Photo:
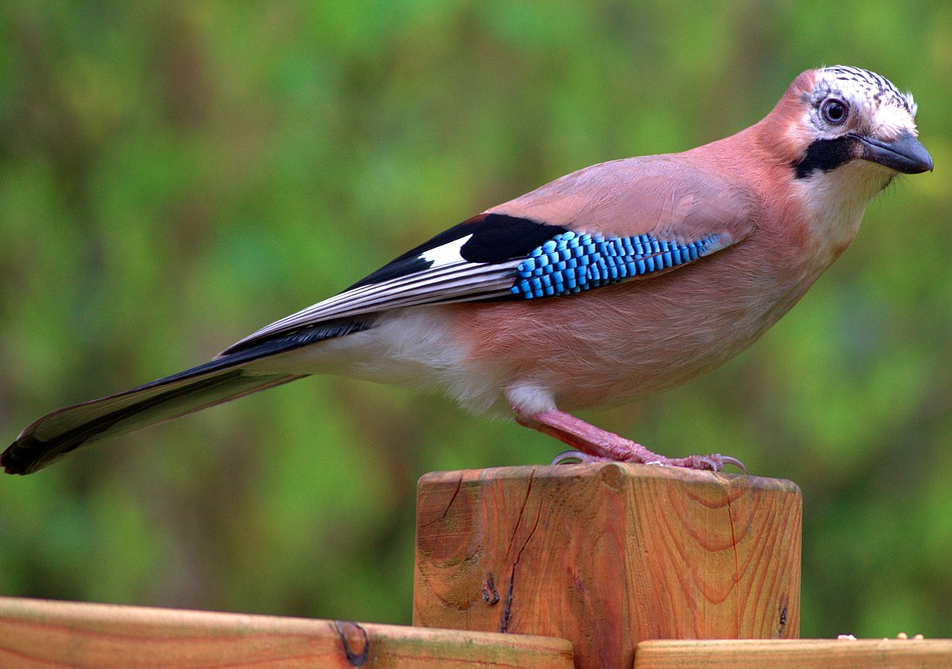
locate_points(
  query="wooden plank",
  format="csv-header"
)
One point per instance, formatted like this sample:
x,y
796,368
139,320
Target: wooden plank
x,y
38,633
794,654
608,555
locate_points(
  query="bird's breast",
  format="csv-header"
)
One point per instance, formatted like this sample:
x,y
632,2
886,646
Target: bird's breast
x,y
635,339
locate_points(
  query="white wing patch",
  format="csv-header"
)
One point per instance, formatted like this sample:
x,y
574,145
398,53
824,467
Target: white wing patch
x,y
445,254
449,279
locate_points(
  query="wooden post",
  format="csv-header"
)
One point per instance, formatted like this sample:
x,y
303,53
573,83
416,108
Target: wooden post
x,y
608,555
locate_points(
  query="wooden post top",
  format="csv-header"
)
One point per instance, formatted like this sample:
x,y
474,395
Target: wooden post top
x,y
607,471
607,555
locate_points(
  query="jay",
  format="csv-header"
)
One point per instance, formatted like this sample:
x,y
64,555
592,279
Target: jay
x,y
607,285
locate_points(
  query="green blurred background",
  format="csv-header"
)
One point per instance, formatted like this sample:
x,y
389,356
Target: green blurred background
x,y
175,175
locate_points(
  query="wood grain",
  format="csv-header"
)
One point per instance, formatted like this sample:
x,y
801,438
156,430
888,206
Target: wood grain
x,y
795,654
38,634
608,555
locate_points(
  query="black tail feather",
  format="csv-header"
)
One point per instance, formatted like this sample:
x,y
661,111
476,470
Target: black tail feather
x,y
57,433
223,379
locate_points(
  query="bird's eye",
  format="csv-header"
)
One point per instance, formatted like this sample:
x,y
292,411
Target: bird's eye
x,y
834,111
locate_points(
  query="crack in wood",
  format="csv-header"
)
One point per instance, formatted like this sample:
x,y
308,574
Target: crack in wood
x,y
522,509
449,505
490,594
784,604
737,603
506,617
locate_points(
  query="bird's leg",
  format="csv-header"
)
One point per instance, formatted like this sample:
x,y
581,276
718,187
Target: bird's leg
x,y
596,444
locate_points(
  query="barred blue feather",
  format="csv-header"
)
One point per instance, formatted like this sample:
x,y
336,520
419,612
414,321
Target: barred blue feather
x,y
571,262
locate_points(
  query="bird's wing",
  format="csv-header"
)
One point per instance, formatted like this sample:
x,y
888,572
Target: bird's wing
x,y
611,222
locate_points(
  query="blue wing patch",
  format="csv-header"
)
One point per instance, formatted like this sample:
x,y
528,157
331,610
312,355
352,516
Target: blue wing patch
x,y
571,262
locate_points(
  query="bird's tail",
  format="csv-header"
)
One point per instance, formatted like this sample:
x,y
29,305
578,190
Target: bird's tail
x,y
54,435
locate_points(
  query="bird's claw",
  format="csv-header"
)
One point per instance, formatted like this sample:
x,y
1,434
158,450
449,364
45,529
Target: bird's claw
x,y
572,458
727,460
716,463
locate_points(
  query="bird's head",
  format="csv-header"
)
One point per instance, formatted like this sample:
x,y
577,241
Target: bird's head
x,y
838,116
841,134
849,114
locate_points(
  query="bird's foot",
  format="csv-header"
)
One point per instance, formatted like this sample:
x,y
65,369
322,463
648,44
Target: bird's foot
x,y
714,462
594,444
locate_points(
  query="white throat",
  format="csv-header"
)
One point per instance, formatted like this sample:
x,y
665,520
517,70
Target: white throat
x,y
837,200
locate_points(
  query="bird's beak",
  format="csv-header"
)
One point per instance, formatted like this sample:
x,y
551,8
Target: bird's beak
x,y
906,154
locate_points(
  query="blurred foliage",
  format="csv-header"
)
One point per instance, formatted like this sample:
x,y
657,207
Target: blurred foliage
x,y
175,175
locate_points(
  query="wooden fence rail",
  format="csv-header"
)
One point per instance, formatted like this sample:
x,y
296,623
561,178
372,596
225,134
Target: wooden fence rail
x,y
796,654
38,634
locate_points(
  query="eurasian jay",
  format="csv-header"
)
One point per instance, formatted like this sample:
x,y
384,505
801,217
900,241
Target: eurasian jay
x,y
610,284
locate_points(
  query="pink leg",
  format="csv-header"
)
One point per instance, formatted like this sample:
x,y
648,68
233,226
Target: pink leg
x,y
600,445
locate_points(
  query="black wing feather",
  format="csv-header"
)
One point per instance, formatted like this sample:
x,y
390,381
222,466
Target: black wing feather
x,y
495,238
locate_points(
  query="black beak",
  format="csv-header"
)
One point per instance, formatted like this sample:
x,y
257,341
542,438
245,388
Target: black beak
x,y
906,154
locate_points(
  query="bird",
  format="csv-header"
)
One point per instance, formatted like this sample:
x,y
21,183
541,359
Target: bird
x,y
608,285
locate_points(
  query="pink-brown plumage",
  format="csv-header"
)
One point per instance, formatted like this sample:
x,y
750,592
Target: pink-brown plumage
x,y
484,310
634,339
